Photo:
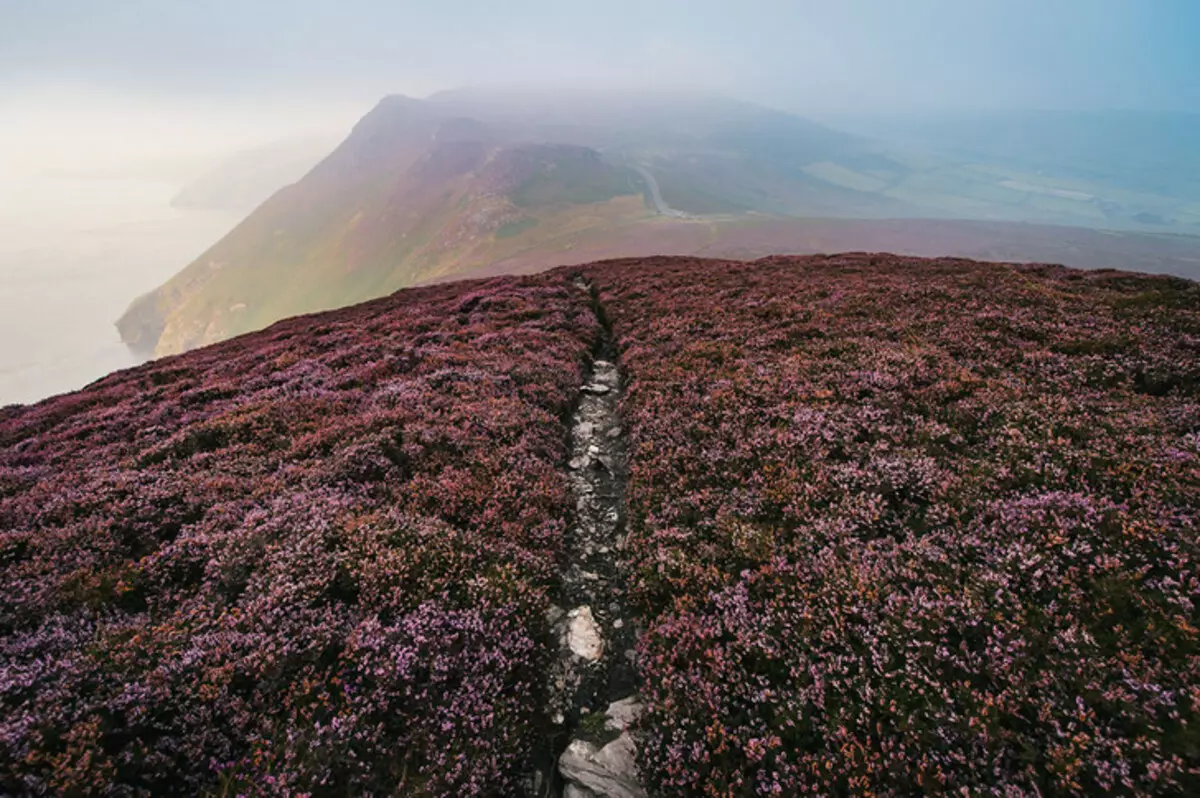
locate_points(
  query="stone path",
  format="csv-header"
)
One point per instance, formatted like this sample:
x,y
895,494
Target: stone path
x,y
592,693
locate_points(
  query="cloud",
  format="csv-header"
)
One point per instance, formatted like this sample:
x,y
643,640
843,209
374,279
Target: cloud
x,y
861,53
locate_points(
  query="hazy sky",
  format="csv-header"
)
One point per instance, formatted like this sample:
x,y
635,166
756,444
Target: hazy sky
x,y
831,55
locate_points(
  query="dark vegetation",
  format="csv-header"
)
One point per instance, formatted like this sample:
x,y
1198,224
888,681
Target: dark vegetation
x,y
516,227
574,180
897,527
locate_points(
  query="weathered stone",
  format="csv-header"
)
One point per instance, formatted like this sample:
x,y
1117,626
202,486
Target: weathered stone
x,y
613,433
621,714
597,388
610,772
573,790
583,635
579,463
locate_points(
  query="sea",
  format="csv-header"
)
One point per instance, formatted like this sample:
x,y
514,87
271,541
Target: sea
x,y
74,252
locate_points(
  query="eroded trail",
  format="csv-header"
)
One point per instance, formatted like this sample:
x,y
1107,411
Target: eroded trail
x,y
593,697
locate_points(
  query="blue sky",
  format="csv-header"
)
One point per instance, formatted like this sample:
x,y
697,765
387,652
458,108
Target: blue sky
x,y
848,55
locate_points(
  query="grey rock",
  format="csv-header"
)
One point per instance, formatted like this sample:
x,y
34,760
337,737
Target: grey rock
x,y
613,433
620,715
573,790
596,388
579,463
610,772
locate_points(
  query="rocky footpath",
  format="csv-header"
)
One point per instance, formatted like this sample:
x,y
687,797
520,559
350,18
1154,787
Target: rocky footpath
x,y
593,700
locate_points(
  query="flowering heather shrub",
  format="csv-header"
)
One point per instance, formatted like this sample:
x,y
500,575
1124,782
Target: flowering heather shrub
x,y
310,560
906,526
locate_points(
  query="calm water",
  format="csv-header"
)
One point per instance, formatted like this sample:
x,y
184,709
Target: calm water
x,y
73,254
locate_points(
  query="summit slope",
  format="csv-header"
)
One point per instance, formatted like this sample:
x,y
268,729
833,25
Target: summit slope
x,y
892,526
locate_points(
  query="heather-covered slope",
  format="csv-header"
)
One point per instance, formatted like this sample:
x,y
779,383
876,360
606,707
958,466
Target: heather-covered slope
x,y
894,526
315,558
910,526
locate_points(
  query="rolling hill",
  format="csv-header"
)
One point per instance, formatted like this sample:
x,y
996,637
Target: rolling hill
x,y
1136,170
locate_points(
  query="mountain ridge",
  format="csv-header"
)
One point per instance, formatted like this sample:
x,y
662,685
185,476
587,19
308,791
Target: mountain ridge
x,y
470,180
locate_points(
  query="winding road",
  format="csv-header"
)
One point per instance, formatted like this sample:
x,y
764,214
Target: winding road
x,y
659,205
